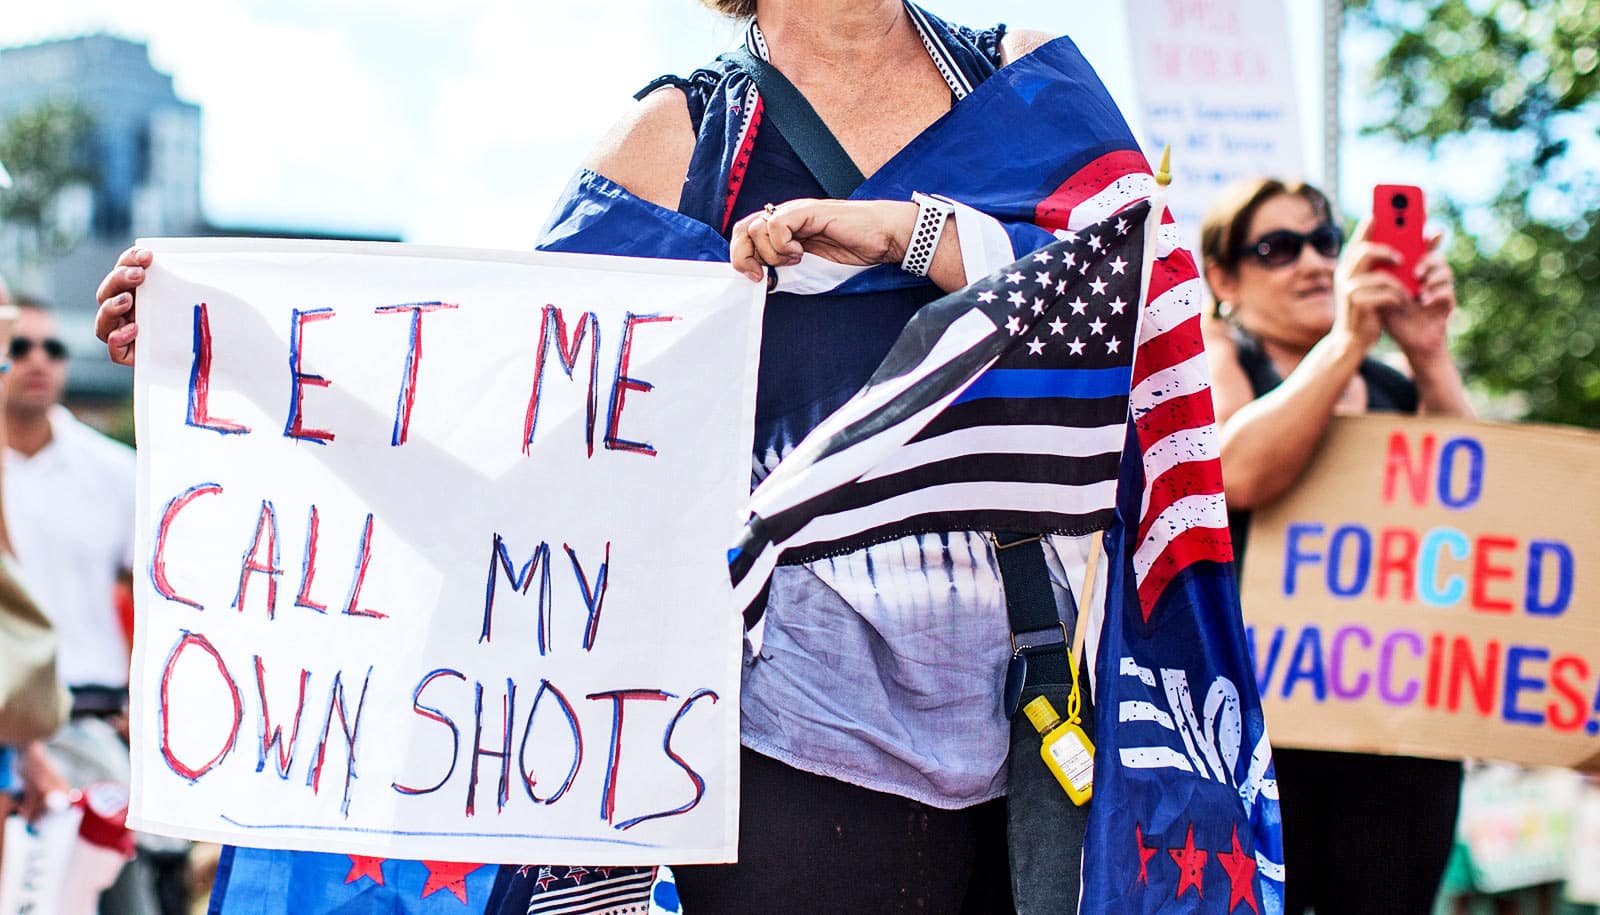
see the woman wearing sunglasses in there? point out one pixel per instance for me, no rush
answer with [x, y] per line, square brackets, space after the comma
[1297, 317]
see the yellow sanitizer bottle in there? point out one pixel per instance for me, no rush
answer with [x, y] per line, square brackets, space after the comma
[1067, 751]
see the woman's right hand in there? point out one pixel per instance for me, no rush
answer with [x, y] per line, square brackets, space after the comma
[114, 322]
[1363, 290]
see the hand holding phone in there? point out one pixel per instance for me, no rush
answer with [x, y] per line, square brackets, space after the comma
[1398, 214]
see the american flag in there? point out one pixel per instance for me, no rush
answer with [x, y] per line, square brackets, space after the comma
[1001, 407]
[587, 890]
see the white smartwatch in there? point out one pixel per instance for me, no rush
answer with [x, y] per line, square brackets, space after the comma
[932, 213]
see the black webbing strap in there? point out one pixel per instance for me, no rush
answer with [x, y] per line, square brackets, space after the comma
[1037, 631]
[794, 117]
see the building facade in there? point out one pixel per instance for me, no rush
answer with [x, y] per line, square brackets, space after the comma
[144, 153]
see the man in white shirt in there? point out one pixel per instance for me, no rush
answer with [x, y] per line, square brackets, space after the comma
[69, 497]
[69, 502]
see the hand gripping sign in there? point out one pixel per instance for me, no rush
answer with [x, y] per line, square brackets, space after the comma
[431, 551]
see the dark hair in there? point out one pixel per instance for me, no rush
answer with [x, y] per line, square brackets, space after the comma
[736, 9]
[1224, 226]
[23, 300]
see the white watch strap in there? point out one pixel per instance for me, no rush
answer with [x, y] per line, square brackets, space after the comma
[932, 214]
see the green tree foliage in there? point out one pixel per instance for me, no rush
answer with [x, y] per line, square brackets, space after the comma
[46, 149]
[1515, 86]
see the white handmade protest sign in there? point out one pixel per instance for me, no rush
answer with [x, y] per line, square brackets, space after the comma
[1215, 83]
[432, 551]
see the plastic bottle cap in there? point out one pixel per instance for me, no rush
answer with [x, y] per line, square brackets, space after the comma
[1041, 713]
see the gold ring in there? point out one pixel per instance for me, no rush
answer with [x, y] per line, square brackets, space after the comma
[771, 210]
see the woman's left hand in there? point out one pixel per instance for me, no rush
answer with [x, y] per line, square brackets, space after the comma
[860, 233]
[1418, 327]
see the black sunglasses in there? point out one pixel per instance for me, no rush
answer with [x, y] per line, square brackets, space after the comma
[1282, 247]
[22, 346]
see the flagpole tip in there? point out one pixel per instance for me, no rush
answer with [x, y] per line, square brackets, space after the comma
[1164, 173]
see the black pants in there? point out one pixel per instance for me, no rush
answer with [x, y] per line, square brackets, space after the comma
[1365, 833]
[813, 844]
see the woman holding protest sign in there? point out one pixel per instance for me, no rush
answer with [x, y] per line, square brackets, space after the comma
[876, 739]
[1362, 833]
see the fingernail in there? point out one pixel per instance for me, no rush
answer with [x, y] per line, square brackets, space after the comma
[134, 273]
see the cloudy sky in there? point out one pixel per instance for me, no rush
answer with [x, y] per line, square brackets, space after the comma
[458, 123]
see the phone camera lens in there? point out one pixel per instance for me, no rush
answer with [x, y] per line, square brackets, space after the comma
[1399, 201]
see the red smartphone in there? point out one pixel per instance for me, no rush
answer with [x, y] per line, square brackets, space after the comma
[1398, 214]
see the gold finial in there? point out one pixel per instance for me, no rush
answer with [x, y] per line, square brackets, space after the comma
[1164, 174]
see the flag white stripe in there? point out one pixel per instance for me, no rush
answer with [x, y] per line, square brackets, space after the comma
[801, 475]
[1154, 758]
[616, 890]
[1187, 377]
[1116, 196]
[840, 468]
[957, 497]
[1183, 515]
[1182, 447]
[1056, 441]
[1269, 868]
[1169, 238]
[1136, 710]
[1170, 309]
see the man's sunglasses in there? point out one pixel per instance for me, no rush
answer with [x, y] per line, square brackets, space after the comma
[1282, 247]
[22, 346]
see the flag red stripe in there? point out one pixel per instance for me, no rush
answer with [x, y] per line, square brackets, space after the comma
[1180, 344]
[1054, 211]
[1197, 544]
[1169, 272]
[1190, 411]
[1190, 478]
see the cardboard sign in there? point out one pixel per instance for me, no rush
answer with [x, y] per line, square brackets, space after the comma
[1428, 588]
[431, 554]
[1214, 81]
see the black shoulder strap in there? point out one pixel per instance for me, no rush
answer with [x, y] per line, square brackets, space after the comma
[794, 117]
[1037, 629]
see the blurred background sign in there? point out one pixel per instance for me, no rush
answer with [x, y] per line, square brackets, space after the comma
[1214, 80]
